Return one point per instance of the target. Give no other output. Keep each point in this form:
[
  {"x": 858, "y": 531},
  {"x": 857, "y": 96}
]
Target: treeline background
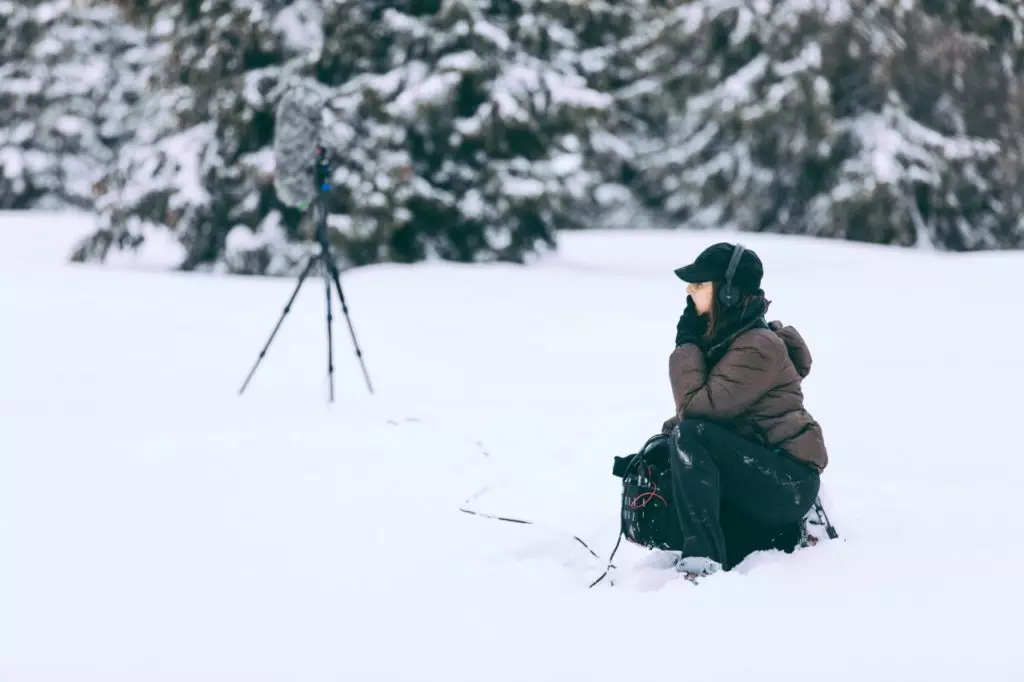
[{"x": 476, "y": 130}]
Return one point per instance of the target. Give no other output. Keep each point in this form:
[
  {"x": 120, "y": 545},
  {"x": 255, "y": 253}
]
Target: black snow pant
[{"x": 712, "y": 466}]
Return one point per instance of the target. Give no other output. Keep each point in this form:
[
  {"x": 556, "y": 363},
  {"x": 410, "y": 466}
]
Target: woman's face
[{"x": 701, "y": 293}]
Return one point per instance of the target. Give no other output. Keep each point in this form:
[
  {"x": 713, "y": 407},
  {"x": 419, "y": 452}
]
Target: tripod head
[
  {"x": 323, "y": 169},
  {"x": 322, "y": 183}
]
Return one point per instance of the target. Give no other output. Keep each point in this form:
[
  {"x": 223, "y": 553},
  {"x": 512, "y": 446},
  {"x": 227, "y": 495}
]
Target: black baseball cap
[{"x": 712, "y": 263}]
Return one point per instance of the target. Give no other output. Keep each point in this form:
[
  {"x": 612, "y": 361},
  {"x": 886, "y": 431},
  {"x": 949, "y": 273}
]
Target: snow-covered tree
[
  {"x": 956, "y": 106},
  {"x": 449, "y": 138},
  {"x": 199, "y": 162},
  {"x": 69, "y": 75},
  {"x": 856, "y": 119},
  {"x": 475, "y": 129},
  {"x": 584, "y": 36},
  {"x": 460, "y": 143}
]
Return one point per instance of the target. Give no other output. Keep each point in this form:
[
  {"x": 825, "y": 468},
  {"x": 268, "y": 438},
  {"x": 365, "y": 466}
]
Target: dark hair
[{"x": 715, "y": 311}]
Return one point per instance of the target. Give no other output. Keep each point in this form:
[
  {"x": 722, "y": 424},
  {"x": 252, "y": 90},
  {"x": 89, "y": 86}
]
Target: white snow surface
[{"x": 157, "y": 526}]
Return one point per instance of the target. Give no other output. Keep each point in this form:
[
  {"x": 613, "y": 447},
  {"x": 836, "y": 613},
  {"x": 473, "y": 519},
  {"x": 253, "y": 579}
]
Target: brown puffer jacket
[{"x": 754, "y": 390}]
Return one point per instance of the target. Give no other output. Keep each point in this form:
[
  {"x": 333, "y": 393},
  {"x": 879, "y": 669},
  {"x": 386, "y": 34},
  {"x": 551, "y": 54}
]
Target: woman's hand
[{"x": 691, "y": 326}]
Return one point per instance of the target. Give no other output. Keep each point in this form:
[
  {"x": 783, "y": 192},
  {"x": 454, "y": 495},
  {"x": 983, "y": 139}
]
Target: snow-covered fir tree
[
  {"x": 475, "y": 129},
  {"x": 199, "y": 163},
  {"x": 890, "y": 121},
  {"x": 450, "y": 136},
  {"x": 584, "y": 36},
  {"x": 458, "y": 141},
  {"x": 69, "y": 75}
]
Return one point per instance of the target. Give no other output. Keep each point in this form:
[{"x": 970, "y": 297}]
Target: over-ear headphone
[{"x": 728, "y": 294}]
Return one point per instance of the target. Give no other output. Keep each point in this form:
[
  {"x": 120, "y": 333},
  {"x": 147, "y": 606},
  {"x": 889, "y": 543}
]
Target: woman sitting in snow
[{"x": 741, "y": 435}]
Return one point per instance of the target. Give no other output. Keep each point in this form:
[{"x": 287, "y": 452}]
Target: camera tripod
[{"x": 331, "y": 276}]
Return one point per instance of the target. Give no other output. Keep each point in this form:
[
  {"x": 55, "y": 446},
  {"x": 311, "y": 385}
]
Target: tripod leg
[
  {"x": 829, "y": 528},
  {"x": 333, "y": 269},
  {"x": 287, "y": 308},
  {"x": 330, "y": 335}
]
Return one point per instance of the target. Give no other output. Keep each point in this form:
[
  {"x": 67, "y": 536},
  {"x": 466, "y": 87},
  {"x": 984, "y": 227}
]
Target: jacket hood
[{"x": 799, "y": 353}]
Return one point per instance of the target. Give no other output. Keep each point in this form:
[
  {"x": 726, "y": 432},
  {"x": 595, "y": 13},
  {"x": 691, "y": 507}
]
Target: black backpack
[{"x": 647, "y": 516}]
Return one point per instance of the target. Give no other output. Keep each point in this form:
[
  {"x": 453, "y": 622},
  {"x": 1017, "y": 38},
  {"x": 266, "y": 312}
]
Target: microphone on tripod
[
  {"x": 301, "y": 179},
  {"x": 296, "y": 133}
]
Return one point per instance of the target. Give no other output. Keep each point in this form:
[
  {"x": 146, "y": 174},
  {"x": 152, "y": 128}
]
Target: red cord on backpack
[{"x": 648, "y": 496}]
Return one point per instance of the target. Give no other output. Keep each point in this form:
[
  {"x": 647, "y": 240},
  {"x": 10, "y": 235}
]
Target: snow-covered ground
[{"x": 155, "y": 526}]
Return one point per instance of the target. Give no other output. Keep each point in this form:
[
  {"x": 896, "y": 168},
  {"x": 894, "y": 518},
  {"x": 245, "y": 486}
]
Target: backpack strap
[{"x": 622, "y": 465}]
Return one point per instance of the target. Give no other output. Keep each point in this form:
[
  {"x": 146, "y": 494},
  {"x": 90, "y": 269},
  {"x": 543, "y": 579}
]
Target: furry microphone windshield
[{"x": 297, "y": 129}]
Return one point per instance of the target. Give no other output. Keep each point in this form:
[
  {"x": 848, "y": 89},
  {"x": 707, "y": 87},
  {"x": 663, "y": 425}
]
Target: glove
[{"x": 691, "y": 326}]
